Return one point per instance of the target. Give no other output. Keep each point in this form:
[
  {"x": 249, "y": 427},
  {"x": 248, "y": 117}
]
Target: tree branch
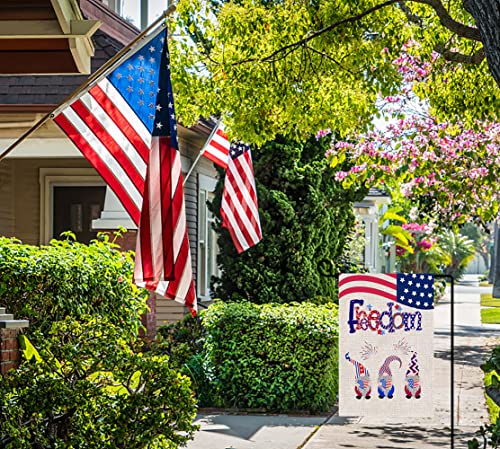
[
  {"x": 315, "y": 34},
  {"x": 450, "y": 23},
  {"x": 444, "y": 17},
  {"x": 454, "y": 56}
]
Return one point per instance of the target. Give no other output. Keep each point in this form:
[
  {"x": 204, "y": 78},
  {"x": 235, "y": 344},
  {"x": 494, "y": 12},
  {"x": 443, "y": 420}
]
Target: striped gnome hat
[
  {"x": 385, "y": 369},
  {"x": 413, "y": 368},
  {"x": 359, "y": 367}
]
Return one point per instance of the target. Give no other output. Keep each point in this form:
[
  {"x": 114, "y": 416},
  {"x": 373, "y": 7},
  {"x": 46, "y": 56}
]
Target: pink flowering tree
[{"x": 448, "y": 170}]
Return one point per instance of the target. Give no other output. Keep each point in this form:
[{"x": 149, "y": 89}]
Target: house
[
  {"x": 46, "y": 185},
  {"x": 376, "y": 257}
]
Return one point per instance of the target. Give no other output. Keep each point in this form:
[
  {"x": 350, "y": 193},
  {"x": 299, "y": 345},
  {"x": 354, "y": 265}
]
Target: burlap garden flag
[{"x": 386, "y": 344}]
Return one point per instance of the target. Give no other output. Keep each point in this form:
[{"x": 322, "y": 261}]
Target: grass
[
  {"x": 493, "y": 408},
  {"x": 487, "y": 300},
  {"x": 490, "y": 315}
]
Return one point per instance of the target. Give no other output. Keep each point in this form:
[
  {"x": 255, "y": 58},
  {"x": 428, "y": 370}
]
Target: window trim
[
  {"x": 205, "y": 184},
  {"x": 60, "y": 177}
]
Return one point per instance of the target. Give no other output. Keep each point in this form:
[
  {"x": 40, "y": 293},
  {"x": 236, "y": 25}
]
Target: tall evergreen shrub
[{"x": 305, "y": 216}]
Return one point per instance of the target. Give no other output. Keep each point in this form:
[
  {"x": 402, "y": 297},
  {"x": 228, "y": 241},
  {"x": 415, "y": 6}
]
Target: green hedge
[
  {"x": 272, "y": 357},
  {"x": 90, "y": 383},
  {"x": 48, "y": 283},
  {"x": 493, "y": 408}
]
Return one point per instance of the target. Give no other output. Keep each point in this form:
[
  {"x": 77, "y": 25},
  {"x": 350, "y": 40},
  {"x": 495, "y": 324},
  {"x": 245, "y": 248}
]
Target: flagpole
[
  {"x": 97, "y": 74},
  {"x": 193, "y": 165}
]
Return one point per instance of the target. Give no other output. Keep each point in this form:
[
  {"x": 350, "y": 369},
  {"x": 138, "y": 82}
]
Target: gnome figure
[
  {"x": 362, "y": 386},
  {"x": 412, "y": 381},
  {"x": 385, "y": 385}
]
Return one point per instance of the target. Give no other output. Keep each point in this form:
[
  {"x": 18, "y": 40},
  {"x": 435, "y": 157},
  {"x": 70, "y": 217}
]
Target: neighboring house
[
  {"x": 376, "y": 258},
  {"x": 46, "y": 186}
]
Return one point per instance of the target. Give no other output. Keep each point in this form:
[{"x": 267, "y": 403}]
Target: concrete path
[{"x": 219, "y": 431}]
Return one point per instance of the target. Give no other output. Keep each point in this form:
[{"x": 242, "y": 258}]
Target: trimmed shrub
[
  {"x": 273, "y": 357},
  {"x": 48, "y": 283}
]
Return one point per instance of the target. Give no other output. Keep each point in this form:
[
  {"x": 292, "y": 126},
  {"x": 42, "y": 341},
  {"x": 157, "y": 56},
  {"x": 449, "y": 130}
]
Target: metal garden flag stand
[{"x": 386, "y": 345}]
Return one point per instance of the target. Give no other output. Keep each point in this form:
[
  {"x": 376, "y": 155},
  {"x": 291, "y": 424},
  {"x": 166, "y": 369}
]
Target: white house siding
[
  {"x": 168, "y": 311},
  {"x": 6, "y": 198}
]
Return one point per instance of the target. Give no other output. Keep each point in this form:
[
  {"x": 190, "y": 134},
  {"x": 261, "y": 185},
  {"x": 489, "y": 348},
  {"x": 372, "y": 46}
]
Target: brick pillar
[{"x": 9, "y": 344}]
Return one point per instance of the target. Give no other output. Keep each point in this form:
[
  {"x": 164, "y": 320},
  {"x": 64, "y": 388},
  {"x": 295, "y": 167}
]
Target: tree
[
  {"x": 284, "y": 67},
  {"x": 306, "y": 217}
]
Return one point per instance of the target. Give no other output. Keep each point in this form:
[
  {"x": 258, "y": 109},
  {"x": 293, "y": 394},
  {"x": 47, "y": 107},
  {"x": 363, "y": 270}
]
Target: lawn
[
  {"x": 487, "y": 300},
  {"x": 490, "y": 315}
]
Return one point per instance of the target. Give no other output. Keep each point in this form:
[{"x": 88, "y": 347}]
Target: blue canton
[
  {"x": 143, "y": 80},
  {"x": 416, "y": 290},
  {"x": 237, "y": 149}
]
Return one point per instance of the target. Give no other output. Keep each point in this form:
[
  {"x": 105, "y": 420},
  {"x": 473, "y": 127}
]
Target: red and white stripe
[
  {"x": 217, "y": 148},
  {"x": 181, "y": 288},
  {"x": 116, "y": 142},
  {"x": 239, "y": 207},
  {"x": 384, "y": 285}
]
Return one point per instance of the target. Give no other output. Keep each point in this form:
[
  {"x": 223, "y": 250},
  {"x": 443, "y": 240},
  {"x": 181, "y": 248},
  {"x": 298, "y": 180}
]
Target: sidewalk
[{"x": 288, "y": 432}]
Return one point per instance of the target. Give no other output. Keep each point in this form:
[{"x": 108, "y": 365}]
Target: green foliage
[
  {"x": 47, "y": 283},
  {"x": 489, "y": 434},
  {"x": 237, "y": 59},
  {"x": 184, "y": 342},
  {"x": 273, "y": 357},
  {"x": 306, "y": 217},
  {"x": 87, "y": 382},
  {"x": 87, "y": 386},
  {"x": 460, "y": 251},
  {"x": 491, "y": 379}
]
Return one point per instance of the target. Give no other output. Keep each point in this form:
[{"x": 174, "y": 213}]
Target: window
[
  {"x": 207, "y": 238},
  {"x": 69, "y": 199}
]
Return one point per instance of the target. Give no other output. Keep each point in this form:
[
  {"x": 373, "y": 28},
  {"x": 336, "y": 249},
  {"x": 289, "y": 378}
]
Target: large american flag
[
  {"x": 239, "y": 207},
  {"x": 217, "y": 147},
  {"x": 125, "y": 126},
  {"x": 410, "y": 289}
]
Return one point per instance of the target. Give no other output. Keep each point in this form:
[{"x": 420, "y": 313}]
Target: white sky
[{"x": 132, "y": 9}]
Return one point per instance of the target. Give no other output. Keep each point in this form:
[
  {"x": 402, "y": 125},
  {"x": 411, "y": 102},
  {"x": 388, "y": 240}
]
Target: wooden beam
[{"x": 34, "y": 29}]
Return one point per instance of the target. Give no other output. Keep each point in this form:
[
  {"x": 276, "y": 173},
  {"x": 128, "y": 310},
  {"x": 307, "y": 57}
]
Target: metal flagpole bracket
[{"x": 201, "y": 151}]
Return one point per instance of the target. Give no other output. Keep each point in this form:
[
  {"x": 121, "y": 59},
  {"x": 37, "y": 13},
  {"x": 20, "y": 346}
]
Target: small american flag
[
  {"x": 413, "y": 290},
  {"x": 125, "y": 126},
  {"x": 239, "y": 208},
  {"x": 217, "y": 147}
]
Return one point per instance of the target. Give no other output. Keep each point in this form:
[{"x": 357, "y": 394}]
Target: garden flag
[
  {"x": 125, "y": 125},
  {"x": 386, "y": 344},
  {"x": 217, "y": 147},
  {"x": 239, "y": 208}
]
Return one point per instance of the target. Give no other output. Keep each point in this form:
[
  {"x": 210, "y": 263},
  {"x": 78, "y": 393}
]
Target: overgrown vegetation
[{"x": 87, "y": 381}]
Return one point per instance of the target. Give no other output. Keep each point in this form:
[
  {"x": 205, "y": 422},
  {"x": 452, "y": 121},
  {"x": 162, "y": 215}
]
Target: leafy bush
[
  {"x": 306, "y": 217},
  {"x": 86, "y": 388},
  {"x": 489, "y": 434},
  {"x": 48, "y": 283},
  {"x": 182, "y": 340},
  {"x": 90, "y": 385},
  {"x": 460, "y": 251},
  {"x": 273, "y": 357}
]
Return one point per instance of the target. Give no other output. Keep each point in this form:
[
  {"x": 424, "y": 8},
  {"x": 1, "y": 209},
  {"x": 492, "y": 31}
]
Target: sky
[{"x": 132, "y": 9}]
